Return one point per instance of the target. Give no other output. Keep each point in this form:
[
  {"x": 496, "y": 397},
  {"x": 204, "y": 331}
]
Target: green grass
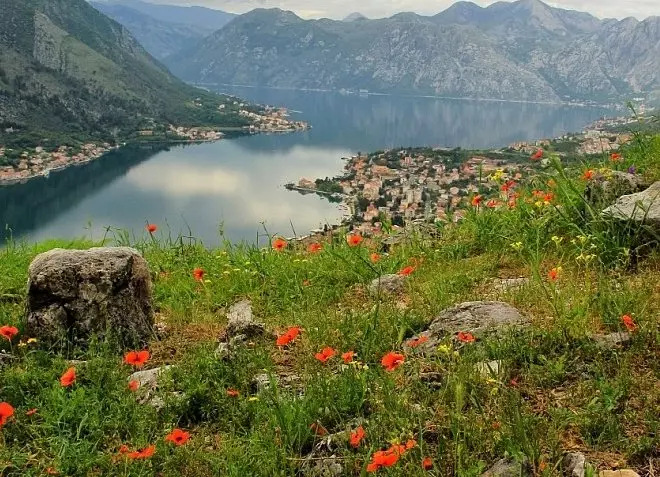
[{"x": 569, "y": 394}]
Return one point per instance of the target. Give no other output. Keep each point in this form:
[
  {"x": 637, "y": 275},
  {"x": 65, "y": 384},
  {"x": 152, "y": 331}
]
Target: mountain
[
  {"x": 401, "y": 54},
  {"x": 354, "y": 17},
  {"x": 67, "y": 68},
  {"x": 163, "y": 29},
  {"x": 522, "y": 50}
]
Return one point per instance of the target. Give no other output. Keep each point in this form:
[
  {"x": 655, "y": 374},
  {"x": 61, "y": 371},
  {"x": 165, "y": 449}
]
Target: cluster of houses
[
  {"x": 40, "y": 162},
  {"x": 196, "y": 134},
  {"x": 272, "y": 120},
  {"x": 415, "y": 186}
]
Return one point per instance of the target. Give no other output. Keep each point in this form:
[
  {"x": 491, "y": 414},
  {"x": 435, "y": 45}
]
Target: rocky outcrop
[
  {"x": 574, "y": 464},
  {"x": 478, "y": 317},
  {"x": 604, "y": 189},
  {"x": 74, "y": 295},
  {"x": 509, "y": 468},
  {"x": 390, "y": 283},
  {"x": 641, "y": 208}
]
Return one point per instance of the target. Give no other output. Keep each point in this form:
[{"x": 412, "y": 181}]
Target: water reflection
[{"x": 237, "y": 183}]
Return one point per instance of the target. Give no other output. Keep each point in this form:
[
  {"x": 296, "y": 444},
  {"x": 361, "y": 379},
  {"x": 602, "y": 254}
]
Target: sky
[{"x": 384, "y": 8}]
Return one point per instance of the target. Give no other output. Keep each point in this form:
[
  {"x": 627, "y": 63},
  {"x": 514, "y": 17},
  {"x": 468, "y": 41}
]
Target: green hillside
[{"x": 67, "y": 68}]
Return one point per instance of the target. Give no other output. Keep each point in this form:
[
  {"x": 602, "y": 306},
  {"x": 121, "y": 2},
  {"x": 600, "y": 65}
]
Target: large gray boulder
[
  {"x": 74, "y": 295},
  {"x": 642, "y": 207},
  {"x": 604, "y": 190}
]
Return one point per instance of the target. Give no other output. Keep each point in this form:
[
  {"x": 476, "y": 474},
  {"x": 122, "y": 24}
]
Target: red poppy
[
  {"x": 8, "y": 332},
  {"x": 549, "y": 197},
  {"x": 69, "y": 377},
  {"x": 123, "y": 449},
  {"x": 354, "y": 240},
  {"x": 588, "y": 175},
  {"x": 508, "y": 185},
  {"x": 137, "y": 358},
  {"x": 178, "y": 437},
  {"x": 492, "y": 203},
  {"x": 404, "y": 272},
  {"x": 306, "y": 283},
  {"x": 151, "y": 228},
  {"x": 314, "y": 247},
  {"x": 384, "y": 459},
  {"x": 476, "y": 200},
  {"x": 415, "y": 342},
  {"x": 392, "y": 360},
  {"x": 553, "y": 274},
  {"x": 318, "y": 429},
  {"x": 465, "y": 337},
  {"x": 290, "y": 335},
  {"x": 51, "y": 471},
  {"x": 142, "y": 454},
  {"x": 537, "y": 155},
  {"x": 31, "y": 412},
  {"x": 375, "y": 258},
  {"x": 233, "y": 393},
  {"x": 629, "y": 323},
  {"x": 427, "y": 463},
  {"x": 615, "y": 157},
  {"x": 279, "y": 244},
  {"x": 6, "y": 411},
  {"x": 496, "y": 425},
  {"x": 133, "y": 385},
  {"x": 325, "y": 354},
  {"x": 198, "y": 274},
  {"x": 410, "y": 444},
  {"x": 357, "y": 436},
  {"x": 348, "y": 356}
]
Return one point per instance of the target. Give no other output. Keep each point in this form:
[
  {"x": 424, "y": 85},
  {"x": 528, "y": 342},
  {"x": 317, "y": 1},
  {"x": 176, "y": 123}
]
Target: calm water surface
[{"x": 236, "y": 185}]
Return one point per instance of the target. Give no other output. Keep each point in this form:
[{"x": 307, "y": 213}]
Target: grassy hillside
[
  {"x": 67, "y": 68},
  {"x": 558, "y": 389}
]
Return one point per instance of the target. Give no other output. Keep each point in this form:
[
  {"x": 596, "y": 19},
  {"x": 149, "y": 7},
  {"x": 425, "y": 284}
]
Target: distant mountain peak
[{"x": 354, "y": 17}]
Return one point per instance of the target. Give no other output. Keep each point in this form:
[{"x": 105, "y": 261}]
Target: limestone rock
[
  {"x": 642, "y": 207},
  {"x": 261, "y": 382},
  {"x": 618, "y": 473},
  {"x": 76, "y": 294},
  {"x": 148, "y": 378},
  {"x": 573, "y": 464},
  {"x": 388, "y": 284},
  {"x": 473, "y": 316},
  {"x": 242, "y": 322},
  {"x": 604, "y": 190},
  {"x": 612, "y": 340},
  {"x": 508, "y": 468},
  {"x": 476, "y": 316}
]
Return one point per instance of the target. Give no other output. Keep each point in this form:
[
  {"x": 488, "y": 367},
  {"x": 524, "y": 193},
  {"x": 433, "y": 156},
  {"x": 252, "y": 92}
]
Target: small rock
[
  {"x": 225, "y": 350},
  {"x": 574, "y": 463},
  {"x": 642, "y": 207},
  {"x": 242, "y": 322},
  {"x": 508, "y": 468},
  {"x": 262, "y": 381},
  {"x": 489, "y": 369},
  {"x": 74, "y": 295},
  {"x": 148, "y": 378},
  {"x": 612, "y": 340},
  {"x": 387, "y": 284},
  {"x": 159, "y": 403},
  {"x": 508, "y": 284},
  {"x": 618, "y": 473}
]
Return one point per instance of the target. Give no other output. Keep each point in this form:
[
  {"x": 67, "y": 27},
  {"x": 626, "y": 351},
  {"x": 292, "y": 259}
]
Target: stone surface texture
[{"x": 74, "y": 295}]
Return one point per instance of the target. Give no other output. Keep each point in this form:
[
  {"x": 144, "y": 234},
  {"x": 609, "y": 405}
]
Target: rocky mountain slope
[
  {"x": 525, "y": 50},
  {"x": 162, "y": 29},
  {"x": 65, "y": 67}
]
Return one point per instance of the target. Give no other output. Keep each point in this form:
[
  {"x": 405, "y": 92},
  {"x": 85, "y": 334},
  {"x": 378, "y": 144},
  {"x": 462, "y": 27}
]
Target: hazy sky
[{"x": 383, "y": 8}]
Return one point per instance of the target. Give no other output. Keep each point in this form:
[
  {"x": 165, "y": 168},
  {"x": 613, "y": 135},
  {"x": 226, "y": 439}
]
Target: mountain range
[
  {"x": 67, "y": 68},
  {"x": 164, "y": 29},
  {"x": 522, "y": 50}
]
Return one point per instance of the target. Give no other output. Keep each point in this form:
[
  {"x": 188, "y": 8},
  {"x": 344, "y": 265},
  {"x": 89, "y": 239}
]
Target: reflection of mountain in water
[
  {"x": 374, "y": 122},
  {"x": 45, "y": 199}
]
